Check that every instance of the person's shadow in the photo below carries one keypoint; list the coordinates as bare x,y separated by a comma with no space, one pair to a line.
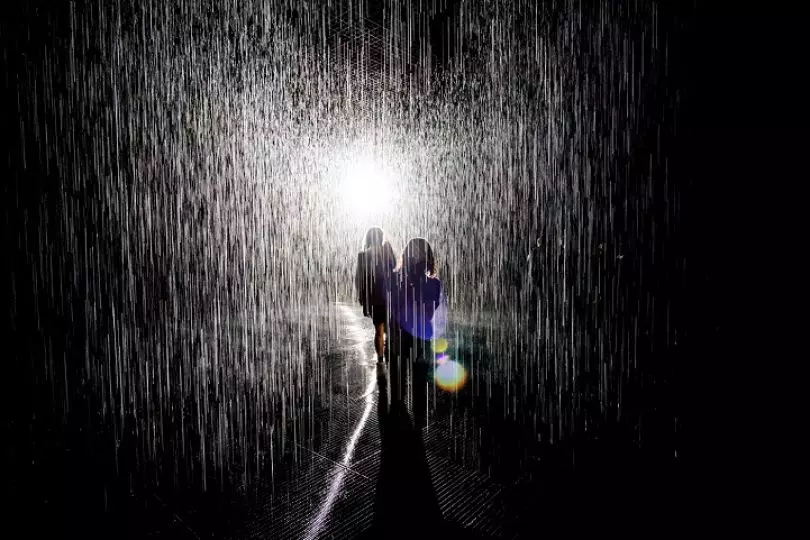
406,505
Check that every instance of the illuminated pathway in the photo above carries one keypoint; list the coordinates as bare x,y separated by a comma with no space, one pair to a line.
361,337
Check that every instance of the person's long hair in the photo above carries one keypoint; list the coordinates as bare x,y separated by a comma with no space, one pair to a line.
417,258
374,237
389,256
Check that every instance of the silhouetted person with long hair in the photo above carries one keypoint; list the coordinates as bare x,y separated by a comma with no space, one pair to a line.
372,281
415,298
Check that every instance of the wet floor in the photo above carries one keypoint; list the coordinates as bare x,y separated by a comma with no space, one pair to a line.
357,465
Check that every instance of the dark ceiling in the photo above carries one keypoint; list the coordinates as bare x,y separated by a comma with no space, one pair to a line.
385,37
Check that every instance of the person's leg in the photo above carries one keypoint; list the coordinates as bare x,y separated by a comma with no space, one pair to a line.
423,360
379,340
399,354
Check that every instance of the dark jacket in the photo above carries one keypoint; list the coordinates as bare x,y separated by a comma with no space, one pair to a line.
415,300
373,278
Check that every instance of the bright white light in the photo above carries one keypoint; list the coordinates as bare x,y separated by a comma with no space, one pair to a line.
367,185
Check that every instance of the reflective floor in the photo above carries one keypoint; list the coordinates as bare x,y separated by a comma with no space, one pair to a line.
359,467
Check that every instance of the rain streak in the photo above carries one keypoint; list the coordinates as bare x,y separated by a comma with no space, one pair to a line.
212,168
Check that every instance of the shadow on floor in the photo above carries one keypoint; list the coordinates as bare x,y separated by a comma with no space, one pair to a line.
406,505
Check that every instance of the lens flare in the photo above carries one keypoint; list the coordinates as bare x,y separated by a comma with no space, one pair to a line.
440,345
450,375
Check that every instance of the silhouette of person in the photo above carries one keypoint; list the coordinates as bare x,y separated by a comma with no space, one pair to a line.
375,265
415,299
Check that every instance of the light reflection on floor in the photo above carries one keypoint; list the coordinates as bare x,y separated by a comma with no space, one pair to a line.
361,337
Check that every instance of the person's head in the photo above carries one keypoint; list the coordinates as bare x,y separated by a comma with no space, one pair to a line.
418,258
374,237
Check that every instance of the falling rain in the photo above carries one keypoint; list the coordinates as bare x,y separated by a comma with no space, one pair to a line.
192,188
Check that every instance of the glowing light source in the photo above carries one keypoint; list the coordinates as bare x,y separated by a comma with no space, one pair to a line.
449,375
366,185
